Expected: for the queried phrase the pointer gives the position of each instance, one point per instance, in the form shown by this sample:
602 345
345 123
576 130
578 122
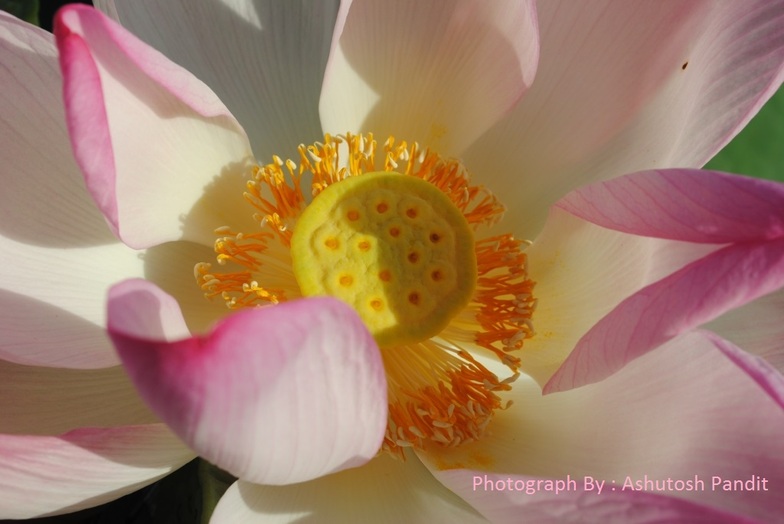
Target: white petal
385 491
611 95
439 73
37 400
161 155
582 271
756 327
53 302
680 412
43 200
57 254
83 468
265 60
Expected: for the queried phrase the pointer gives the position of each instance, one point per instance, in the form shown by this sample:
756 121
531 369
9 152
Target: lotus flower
320 408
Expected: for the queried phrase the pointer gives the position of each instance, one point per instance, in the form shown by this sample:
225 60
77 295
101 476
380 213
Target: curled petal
273 395
43 201
57 254
150 138
690 297
582 272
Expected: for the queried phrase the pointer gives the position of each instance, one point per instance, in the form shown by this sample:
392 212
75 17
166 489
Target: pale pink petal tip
274 395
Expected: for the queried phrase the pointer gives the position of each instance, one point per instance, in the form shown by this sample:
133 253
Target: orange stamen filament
438 392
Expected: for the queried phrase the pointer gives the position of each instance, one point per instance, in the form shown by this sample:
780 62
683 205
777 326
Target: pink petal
55 247
384 491
583 271
439 73
139 127
681 411
269 78
611 95
140 310
83 468
692 296
684 204
273 395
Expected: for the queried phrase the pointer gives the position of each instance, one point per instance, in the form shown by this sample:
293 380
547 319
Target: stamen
504 297
277 197
240 288
478 205
438 392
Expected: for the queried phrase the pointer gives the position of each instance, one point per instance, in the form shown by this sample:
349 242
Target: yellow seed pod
392 246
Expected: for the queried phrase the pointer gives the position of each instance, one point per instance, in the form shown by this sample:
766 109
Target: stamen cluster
439 393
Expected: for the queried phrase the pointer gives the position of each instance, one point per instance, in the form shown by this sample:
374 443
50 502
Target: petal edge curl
138 125
273 395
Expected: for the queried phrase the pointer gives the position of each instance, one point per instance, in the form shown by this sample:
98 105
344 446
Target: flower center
395 239
394 247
